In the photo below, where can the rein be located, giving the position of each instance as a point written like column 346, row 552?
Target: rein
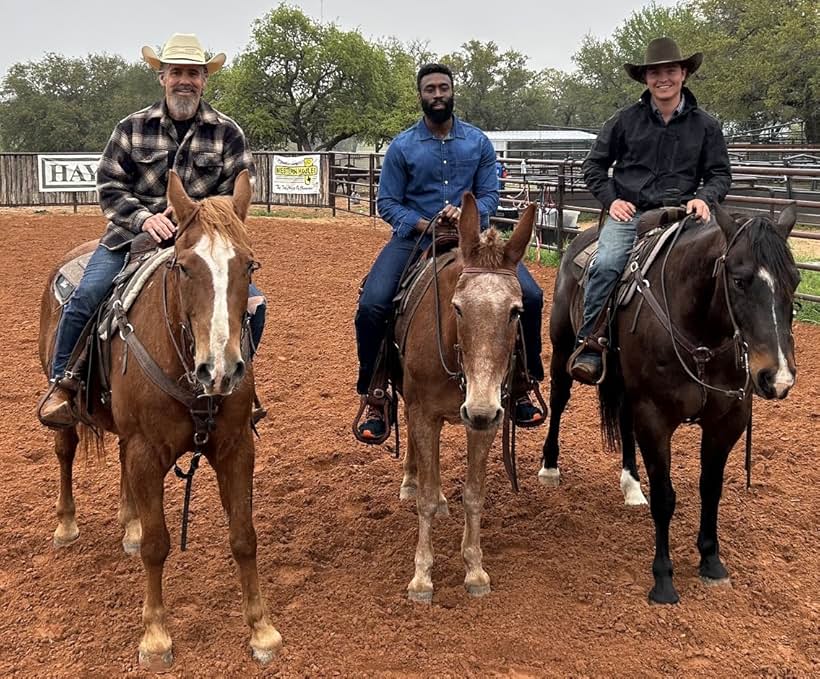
column 700, row 354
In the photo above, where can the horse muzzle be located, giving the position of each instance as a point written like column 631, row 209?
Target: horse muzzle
column 481, row 418
column 773, row 384
column 220, row 382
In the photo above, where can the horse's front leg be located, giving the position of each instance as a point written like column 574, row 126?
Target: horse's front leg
column 476, row 581
column 127, row 514
column 654, row 438
column 424, row 432
column 716, row 442
column 234, row 473
column 146, row 481
column 65, row 446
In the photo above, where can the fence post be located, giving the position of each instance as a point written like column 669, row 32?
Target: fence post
column 559, row 218
column 331, row 182
column 269, row 183
column 371, row 178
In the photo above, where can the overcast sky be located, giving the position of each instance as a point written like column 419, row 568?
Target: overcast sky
column 546, row 31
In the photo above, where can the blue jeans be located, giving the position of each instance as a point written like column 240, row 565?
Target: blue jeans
column 615, row 242
column 376, row 308
column 95, row 284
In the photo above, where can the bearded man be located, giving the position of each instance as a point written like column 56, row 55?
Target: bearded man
column 182, row 133
column 426, row 170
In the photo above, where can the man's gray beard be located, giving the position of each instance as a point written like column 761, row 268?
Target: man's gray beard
column 182, row 108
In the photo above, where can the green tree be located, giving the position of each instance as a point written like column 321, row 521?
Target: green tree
column 63, row 104
column 311, row 84
column 495, row 90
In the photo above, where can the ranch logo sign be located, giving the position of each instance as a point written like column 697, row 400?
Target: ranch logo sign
column 296, row 174
column 67, row 172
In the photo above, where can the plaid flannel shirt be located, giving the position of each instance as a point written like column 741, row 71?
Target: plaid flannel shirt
column 133, row 172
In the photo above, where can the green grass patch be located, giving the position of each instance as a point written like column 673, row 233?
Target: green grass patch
column 809, row 285
column 542, row 257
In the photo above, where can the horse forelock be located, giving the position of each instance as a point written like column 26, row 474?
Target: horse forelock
column 217, row 217
column 489, row 252
column 772, row 253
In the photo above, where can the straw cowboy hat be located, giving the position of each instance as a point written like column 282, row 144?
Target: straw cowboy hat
column 664, row 51
column 182, row 48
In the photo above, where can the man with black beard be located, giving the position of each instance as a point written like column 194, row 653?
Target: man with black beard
column 426, row 170
column 181, row 132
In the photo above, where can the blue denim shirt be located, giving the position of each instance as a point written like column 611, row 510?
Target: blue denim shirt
column 421, row 175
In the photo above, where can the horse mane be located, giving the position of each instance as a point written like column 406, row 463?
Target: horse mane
column 771, row 252
column 489, row 253
column 217, row 216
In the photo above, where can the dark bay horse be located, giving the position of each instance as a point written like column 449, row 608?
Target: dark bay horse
column 728, row 289
column 479, row 300
column 205, row 290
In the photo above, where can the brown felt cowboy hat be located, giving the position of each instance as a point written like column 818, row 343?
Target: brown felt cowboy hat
column 664, row 51
column 182, row 48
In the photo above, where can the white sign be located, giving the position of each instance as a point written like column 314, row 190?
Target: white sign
column 67, row 172
column 296, row 174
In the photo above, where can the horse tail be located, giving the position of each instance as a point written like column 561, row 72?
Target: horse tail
column 611, row 402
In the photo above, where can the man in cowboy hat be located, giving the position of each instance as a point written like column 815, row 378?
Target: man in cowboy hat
column 665, row 151
column 207, row 150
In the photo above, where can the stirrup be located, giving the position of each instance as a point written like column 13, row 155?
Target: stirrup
column 381, row 402
column 68, row 405
column 591, row 346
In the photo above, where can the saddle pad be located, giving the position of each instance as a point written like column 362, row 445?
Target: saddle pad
column 68, row 277
column 134, row 284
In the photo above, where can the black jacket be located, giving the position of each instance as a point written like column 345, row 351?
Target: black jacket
column 652, row 159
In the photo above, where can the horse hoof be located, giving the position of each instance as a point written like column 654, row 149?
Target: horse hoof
column 266, row 642
column 424, row 597
column 264, row 655
column 64, row 539
column 131, row 548
column 477, row 591
column 716, row 582
column 550, row 477
column 407, row 492
column 156, row 662
column 665, row 596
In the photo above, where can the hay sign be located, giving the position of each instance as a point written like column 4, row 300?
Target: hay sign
column 296, row 174
column 67, row 172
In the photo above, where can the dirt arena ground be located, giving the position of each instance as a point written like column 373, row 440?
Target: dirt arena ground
column 570, row 566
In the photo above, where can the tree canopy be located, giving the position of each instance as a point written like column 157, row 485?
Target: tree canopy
column 315, row 85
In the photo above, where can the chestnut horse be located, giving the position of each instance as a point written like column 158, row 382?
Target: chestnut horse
column 716, row 326
column 205, row 290
column 478, row 299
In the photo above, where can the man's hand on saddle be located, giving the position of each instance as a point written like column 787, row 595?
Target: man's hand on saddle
column 448, row 220
column 699, row 208
column 622, row 210
column 159, row 226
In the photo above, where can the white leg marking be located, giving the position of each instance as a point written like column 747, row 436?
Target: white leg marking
column 783, row 379
column 217, row 255
column 633, row 495
column 550, row 477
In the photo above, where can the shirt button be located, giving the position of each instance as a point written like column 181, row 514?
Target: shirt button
column 446, row 202
column 446, row 182
column 445, row 162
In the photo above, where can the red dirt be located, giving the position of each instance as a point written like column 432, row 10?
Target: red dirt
column 570, row 566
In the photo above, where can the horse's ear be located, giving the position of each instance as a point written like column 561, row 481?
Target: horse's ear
column 242, row 194
column 468, row 225
column 178, row 199
column 520, row 239
column 727, row 224
column 786, row 220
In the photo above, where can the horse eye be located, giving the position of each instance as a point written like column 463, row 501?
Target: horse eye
column 515, row 312
column 183, row 270
column 457, row 309
column 738, row 283
column 253, row 266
